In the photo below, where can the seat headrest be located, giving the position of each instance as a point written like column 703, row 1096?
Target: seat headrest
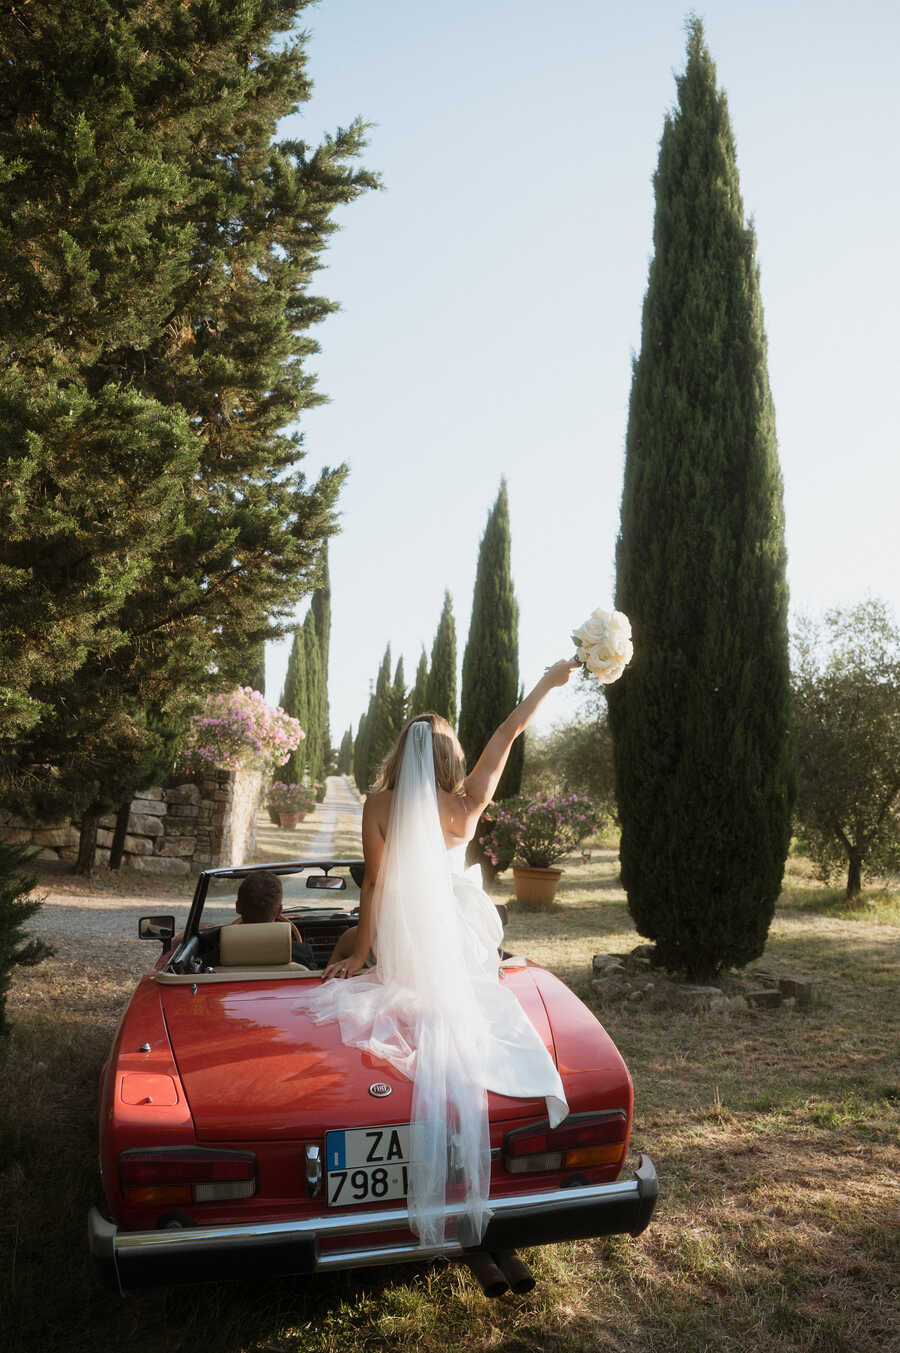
column 266, row 942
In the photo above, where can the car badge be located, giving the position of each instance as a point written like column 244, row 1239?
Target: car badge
column 379, row 1090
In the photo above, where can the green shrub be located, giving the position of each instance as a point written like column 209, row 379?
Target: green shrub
column 15, row 908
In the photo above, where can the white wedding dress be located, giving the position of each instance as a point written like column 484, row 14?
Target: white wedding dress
column 435, row 1008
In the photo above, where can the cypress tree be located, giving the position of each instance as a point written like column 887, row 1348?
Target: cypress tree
column 442, row 672
column 295, row 701
column 315, row 741
column 398, row 700
column 284, row 699
column 418, row 700
column 345, row 753
column 321, row 609
column 700, row 720
column 380, row 720
column 490, row 671
column 361, row 751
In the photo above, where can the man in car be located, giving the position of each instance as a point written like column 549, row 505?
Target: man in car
column 259, row 899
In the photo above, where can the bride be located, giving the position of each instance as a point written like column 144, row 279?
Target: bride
column 433, row 1006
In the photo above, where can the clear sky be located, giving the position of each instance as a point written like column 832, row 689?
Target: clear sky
column 491, row 297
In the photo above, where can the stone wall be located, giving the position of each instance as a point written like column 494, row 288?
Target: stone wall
column 173, row 829
column 237, row 840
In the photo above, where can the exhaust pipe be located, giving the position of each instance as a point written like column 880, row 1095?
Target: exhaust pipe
column 515, row 1271
column 492, row 1281
column 499, row 1271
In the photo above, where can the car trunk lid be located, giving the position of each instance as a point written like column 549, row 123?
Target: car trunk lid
column 253, row 1067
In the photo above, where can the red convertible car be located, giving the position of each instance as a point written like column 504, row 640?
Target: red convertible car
column 235, row 1133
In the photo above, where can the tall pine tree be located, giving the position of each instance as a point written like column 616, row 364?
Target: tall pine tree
column 442, row 672
column 700, row 720
column 94, row 467
column 152, row 361
column 255, row 666
column 490, row 670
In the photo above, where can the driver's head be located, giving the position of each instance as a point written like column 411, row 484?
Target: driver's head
column 259, row 898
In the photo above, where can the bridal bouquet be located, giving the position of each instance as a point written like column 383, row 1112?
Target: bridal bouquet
column 604, row 644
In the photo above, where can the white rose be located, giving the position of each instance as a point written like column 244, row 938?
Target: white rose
column 594, row 631
column 603, row 662
column 619, row 624
column 620, row 637
column 595, row 628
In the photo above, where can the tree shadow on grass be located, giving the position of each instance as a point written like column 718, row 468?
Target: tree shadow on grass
column 764, row 1239
column 53, row 1298
column 49, row 1293
column 838, row 942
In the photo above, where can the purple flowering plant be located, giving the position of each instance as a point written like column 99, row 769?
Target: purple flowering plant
column 538, row 830
column 239, row 730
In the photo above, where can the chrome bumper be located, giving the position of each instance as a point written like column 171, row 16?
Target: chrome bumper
column 209, row 1253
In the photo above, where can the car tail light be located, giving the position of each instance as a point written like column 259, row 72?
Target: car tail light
column 186, row 1174
column 583, row 1139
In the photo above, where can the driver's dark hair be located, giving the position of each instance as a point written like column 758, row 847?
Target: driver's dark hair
column 259, row 897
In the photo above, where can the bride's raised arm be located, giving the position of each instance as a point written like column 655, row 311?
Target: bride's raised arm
column 482, row 780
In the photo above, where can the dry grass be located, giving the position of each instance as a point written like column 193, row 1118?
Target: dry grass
column 878, row 902
column 776, row 1137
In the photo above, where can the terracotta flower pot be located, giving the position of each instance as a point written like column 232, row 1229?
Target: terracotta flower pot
column 535, row 887
column 289, row 819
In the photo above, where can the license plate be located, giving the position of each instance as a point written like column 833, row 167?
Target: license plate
column 367, row 1165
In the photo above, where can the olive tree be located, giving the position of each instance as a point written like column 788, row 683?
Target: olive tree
column 574, row 758
column 846, row 714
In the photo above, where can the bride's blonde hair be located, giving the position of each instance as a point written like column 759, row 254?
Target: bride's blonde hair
column 449, row 758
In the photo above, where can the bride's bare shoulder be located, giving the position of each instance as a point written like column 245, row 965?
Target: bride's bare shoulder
column 454, row 815
column 378, row 803
column 375, row 814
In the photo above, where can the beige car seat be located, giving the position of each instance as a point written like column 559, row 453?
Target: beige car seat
column 267, row 944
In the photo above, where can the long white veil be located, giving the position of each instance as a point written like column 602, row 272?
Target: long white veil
column 419, row 1008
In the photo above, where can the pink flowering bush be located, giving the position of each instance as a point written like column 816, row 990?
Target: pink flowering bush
column 286, row 798
column 239, row 730
column 538, row 830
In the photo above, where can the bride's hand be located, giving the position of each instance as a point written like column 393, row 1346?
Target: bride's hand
column 559, row 673
column 345, row 967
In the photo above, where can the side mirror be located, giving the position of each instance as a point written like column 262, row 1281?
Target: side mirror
column 333, row 882
column 160, row 928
